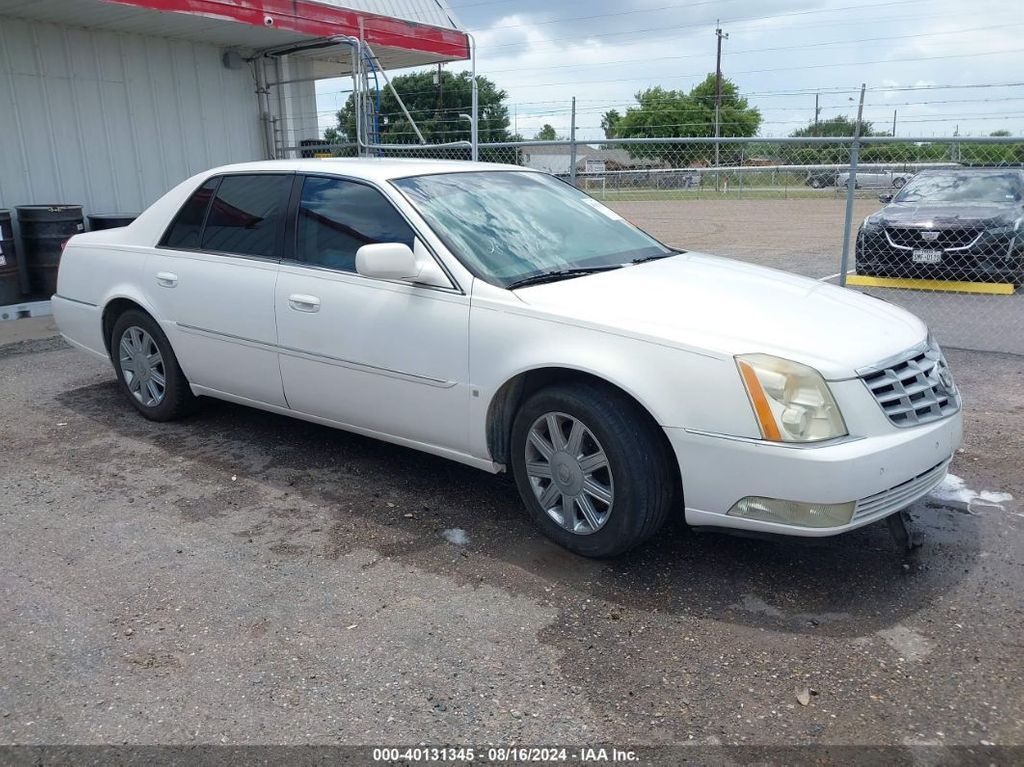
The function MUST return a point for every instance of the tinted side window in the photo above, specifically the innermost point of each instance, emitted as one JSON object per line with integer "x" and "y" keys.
{"x": 184, "y": 232}
{"x": 247, "y": 215}
{"x": 337, "y": 217}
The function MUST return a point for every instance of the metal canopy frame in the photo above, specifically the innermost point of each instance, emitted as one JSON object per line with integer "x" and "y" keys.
{"x": 364, "y": 63}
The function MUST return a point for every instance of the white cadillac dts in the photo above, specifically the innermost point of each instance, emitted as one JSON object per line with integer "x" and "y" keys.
{"x": 498, "y": 317}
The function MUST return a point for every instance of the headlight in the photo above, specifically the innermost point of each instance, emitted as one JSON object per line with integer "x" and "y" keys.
{"x": 869, "y": 224}
{"x": 792, "y": 402}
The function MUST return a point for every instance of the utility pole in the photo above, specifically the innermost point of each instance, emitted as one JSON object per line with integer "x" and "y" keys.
{"x": 851, "y": 186}
{"x": 719, "y": 35}
{"x": 440, "y": 100}
{"x": 817, "y": 109}
{"x": 572, "y": 144}
{"x": 894, "y": 123}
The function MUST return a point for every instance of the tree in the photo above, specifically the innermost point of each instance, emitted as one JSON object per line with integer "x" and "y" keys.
{"x": 839, "y": 126}
{"x": 435, "y": 108}
{"x": 609, "y": 122}
{"x": 1000, "y": 133}
{"x": 546, "y": 133}
{"x": 661, "y": 113}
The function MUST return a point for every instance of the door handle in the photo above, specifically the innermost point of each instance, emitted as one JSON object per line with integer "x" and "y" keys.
{"x": 304, "y": 303}
{"x": 166, "y": 279}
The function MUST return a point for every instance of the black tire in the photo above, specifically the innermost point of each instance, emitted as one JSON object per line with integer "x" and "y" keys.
{"x": 639, "y": 460}
{"x": 897, "y": 183}
{"x": 177, "y": 400}
{"x": 817, "y": 183}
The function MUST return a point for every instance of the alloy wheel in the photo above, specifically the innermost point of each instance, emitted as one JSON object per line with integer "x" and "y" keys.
{"x": 570, "y": 473}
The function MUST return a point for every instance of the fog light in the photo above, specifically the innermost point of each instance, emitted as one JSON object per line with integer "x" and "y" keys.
{"x": 793, "y": 512}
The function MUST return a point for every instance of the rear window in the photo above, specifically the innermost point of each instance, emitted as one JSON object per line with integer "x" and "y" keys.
{"x": 247, "y": 215}
{"x": 187, "y": 226}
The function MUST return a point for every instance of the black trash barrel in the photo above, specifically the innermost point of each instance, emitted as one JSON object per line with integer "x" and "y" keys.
{"x": 99, "y": 221}
{"x": 10, "y": 290}
{"x": 44, "y": 231}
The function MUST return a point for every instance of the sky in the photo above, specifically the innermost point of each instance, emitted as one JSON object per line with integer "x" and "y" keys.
{"x": 780, "y": 53}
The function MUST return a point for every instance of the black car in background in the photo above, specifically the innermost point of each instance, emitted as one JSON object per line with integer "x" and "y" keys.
{"x": 961, "y": 224}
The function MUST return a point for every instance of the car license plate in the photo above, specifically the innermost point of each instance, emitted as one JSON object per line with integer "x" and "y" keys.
{"x": 927, "y": 256}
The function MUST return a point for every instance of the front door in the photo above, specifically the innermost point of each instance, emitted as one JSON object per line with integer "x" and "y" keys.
{"x": 382, "y": 355}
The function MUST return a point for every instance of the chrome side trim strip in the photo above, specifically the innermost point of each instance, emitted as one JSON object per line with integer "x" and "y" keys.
{"x": 316, "y": 357}
{"x": 75, "y": 301}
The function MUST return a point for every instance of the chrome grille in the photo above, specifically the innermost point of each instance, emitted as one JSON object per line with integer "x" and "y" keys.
{"x": 916, "y": 389}
{"x": 939, "y": 239}
{"x": 898, "y": 498}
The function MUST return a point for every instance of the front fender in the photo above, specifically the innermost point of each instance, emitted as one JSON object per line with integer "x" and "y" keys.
{"x": 680, "y": 389}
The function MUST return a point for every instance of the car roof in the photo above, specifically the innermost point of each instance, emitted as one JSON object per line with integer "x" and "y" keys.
{"x": 369, "y": 168}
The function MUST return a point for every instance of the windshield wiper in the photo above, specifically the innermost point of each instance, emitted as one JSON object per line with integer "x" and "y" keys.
{"x": 559, "y": 274}
{"x": 656, "y": 257}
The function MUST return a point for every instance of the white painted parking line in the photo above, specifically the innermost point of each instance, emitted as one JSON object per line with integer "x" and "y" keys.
{"x": 833, "y": 276}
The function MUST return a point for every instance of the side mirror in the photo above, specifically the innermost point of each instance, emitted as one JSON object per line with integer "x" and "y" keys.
{"x": 397, "y": 261}
{"x": 386, "y": 261}
{"x": 885, "y": 198}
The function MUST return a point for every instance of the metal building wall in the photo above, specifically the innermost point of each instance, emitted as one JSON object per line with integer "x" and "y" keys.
{"x": 111, "y": 121}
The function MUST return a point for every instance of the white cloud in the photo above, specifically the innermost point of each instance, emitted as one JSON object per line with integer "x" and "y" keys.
{"x": 781, "y": 60}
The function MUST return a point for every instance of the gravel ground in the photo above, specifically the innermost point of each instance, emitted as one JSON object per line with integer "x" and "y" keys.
{"x": 802, "y": 235}
{"x": 243, "y": 578}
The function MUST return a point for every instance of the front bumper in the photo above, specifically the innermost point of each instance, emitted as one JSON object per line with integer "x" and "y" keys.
{"x": 991, "y": 257}
{"x": 883, "y": 474}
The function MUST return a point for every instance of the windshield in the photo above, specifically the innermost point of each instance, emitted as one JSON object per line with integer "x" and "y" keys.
{"x": 962, "y": 187}
{"x": 508, "y": 225}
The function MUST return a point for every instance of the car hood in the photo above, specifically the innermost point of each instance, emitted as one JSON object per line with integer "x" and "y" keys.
{"x": 716, "y": 305}
{"x": 935, "y": 215}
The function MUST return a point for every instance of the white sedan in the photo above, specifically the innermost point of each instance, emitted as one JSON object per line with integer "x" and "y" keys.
{"x": 498, "y": 317}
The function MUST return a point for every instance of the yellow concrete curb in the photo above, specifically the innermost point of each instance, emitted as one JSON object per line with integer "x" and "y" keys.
{"x": 949, "y": 286}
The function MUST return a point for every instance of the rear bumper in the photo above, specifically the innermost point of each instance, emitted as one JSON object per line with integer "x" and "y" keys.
{"x": 80, "y": 323}
{"x": 883, "y": 474}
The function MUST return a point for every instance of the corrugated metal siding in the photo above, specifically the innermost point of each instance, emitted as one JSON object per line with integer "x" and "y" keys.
{"x": 111, "y": 121}
{"x": 437, "y": 13}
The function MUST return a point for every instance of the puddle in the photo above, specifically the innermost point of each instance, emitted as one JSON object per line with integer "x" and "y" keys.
{"x": 750, "y": 603}
{"x": 456, "y": 535}
{"x": 953, "y": 491}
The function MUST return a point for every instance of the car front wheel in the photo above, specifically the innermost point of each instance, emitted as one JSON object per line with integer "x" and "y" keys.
{"x": 147, "y": 370}
{"x": 592, "y": 468}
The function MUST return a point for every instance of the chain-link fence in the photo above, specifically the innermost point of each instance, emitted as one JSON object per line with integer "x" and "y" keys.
{"x": 933, "y": 224}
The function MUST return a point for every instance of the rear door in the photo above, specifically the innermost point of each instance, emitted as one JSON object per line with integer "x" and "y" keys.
{"x": 382, "y": 355}
{"x": 212, "y": 280}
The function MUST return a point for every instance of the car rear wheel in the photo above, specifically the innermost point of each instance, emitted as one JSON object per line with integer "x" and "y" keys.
{"x": 592, "y": 469}
{"x": 147, "y": 370}
{"x": 816, "y": 183}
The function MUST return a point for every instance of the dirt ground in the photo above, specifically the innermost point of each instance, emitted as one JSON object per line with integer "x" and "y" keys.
{"x": 244, "y": 578}
{"x": 799, "y": 235}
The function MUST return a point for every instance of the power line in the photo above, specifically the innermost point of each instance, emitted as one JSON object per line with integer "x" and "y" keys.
{"x": 756, "y": 50}
{"x": 704, "y": 24}
{"x": 787, "y": 69}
